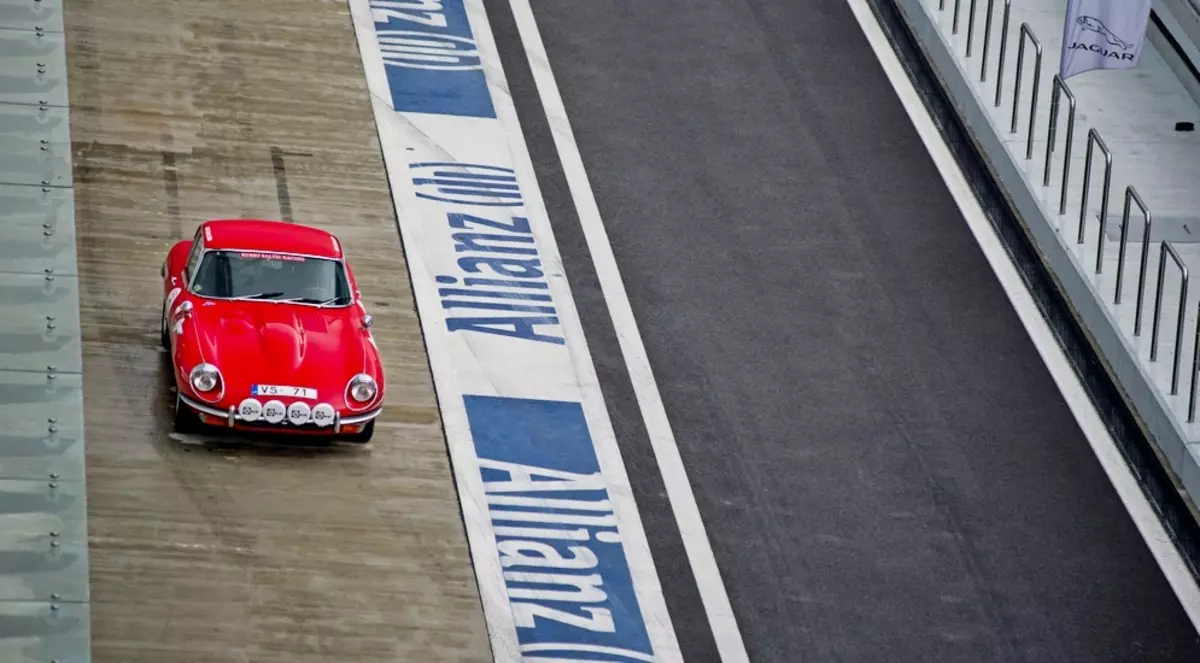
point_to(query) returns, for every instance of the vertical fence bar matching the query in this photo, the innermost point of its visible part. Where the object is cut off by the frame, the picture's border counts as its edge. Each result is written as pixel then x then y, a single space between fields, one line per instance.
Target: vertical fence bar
pixel 970 26
pixel 987 40
pixel 1195 370
pixel 1060 87
pixel 1003 50
pixel 954 19
pixel 1037 76
pixel 1168 250
pixel 1093 141
pixel 1131 196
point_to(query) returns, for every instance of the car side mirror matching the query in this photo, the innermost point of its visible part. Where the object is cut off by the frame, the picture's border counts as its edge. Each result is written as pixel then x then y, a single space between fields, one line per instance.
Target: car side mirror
pixel 366 321
pixel 185 308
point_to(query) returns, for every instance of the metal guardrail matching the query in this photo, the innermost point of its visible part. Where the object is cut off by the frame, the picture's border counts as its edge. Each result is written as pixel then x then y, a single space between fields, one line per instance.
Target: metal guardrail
pixel 1168 250
pixel 1131 196
pixel 987 42
pixel 1027 32
pixel 1094 142
pixel 1060 89
pixel 1195 371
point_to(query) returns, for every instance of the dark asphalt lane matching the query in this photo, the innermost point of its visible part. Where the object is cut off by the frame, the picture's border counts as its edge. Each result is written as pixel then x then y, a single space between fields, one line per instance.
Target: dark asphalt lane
pixel 885 468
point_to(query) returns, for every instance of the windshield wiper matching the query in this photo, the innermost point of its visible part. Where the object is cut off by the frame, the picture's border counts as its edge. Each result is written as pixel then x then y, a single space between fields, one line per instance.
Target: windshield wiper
pixel 331 300
pixel 258 295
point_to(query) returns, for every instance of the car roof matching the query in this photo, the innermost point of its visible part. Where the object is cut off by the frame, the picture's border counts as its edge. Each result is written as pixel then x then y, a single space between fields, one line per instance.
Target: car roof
pixel 266 235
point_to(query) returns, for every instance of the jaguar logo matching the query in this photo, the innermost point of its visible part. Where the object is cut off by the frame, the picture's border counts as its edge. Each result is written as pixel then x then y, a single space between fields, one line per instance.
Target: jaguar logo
pixel 1093 24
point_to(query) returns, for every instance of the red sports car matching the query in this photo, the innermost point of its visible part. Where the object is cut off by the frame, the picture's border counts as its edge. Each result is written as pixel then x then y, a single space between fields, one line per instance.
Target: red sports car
pixel 267 332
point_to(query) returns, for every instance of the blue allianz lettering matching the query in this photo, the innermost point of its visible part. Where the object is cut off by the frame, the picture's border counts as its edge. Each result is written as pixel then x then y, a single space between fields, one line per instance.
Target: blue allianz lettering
pixel 556 534
pixel 467 184
pixel 501 270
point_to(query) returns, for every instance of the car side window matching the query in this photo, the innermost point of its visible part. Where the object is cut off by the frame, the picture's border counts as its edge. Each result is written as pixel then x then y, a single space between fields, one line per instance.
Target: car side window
pixel 193 258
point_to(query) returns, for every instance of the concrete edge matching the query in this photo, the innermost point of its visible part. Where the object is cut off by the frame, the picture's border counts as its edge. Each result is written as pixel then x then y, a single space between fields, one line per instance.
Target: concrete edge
pixel 52 626
pixel 1175 32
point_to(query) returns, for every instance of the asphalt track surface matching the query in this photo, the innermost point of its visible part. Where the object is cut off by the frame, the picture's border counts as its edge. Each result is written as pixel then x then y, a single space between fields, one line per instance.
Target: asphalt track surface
pixel 885 468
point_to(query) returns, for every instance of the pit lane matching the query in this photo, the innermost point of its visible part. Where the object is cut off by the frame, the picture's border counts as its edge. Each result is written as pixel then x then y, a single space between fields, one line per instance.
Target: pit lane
pixel 207 549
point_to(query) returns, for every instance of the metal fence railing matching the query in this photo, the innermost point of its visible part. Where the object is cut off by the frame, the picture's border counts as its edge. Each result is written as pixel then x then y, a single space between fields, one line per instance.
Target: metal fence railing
pixel 1060 90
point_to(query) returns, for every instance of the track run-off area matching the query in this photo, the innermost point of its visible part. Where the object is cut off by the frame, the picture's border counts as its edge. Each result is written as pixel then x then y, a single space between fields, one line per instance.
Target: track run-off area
pixel 217 550
pixel 663 394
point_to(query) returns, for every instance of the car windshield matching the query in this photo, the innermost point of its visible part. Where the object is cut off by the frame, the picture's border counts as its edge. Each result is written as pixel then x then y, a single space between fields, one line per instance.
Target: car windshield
pixel 272 277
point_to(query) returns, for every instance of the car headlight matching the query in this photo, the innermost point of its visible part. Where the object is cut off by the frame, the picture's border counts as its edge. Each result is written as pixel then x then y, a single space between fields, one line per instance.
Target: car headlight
pixel 205 378
pixel 363 388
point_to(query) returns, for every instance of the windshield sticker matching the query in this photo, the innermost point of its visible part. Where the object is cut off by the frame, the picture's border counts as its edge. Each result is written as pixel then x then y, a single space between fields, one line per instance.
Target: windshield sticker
pixel 272 256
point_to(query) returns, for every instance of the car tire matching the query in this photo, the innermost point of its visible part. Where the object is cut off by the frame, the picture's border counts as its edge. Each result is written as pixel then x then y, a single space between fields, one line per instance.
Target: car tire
pixel 186 420
pixel 164 337
pixel 363 436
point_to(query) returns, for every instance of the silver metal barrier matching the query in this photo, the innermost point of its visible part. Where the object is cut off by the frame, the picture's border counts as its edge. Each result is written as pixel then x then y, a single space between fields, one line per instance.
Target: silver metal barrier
pixel 1003 48
pixel 1166 250
pixel 1195 370
pixel 970 26
pixel 987 40
pixel 1131 196
pixel 1093 140
pixel 1037 78
pixel 1059 88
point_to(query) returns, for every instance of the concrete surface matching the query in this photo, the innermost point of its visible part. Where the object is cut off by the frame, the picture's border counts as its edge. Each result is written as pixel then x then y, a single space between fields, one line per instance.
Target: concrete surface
pixel 210 549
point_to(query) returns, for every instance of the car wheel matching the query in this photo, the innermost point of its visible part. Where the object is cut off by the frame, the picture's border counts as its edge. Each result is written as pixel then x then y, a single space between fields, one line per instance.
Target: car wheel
pixel 363 436
pixel 186 420
pixel 164 336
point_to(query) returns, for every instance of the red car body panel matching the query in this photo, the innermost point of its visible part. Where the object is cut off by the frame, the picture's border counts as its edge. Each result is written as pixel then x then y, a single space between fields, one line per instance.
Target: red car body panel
pixel 268 342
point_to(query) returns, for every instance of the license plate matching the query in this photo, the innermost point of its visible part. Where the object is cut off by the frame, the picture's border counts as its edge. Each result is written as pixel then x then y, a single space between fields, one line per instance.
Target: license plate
pixel 283 390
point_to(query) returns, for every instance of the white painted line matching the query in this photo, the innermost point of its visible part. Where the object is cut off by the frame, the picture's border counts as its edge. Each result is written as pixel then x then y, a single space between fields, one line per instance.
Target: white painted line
pixel 679 491
pixel 1102 443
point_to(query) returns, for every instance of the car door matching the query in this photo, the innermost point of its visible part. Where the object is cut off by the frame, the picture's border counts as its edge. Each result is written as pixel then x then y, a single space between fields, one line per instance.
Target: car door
pixel 179 283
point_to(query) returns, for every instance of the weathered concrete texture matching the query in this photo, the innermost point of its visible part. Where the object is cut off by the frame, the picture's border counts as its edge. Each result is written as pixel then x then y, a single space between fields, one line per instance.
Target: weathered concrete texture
pixel 212 552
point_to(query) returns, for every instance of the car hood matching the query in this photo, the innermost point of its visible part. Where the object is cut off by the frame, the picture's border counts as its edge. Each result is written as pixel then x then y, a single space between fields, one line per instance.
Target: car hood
pixel 281 344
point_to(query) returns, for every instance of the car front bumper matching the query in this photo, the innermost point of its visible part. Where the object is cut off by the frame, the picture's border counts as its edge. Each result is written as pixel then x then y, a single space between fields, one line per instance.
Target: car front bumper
pixel 231 419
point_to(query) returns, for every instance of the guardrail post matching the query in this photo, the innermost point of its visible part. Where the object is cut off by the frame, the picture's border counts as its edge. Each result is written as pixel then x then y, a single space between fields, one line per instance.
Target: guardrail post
pixel 1195 370
pixel 1094 140
pixel 970 26
pixel 1059 88
pixel 1037 77
pixel 1131 196
pixel 1168 250
pixel 987 41
pixel 1003 50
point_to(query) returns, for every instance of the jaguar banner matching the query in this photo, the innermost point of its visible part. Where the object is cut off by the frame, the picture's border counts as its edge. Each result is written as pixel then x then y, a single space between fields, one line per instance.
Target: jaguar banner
pixel 1103 34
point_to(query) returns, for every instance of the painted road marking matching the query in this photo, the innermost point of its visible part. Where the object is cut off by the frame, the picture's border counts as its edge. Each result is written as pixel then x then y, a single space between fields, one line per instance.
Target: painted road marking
pixel 430 57
pixel 561 558
pixel 568 580
pixel 699 551
pixel 1101 441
